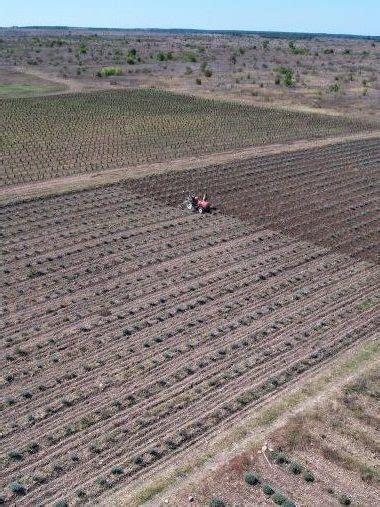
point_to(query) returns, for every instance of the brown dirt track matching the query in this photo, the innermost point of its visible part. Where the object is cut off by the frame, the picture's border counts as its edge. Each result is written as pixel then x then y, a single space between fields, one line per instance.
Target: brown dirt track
pixel 134 330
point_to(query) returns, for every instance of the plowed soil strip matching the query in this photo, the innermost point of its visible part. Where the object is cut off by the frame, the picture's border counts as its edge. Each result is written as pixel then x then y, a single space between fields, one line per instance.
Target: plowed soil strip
pixel 16 193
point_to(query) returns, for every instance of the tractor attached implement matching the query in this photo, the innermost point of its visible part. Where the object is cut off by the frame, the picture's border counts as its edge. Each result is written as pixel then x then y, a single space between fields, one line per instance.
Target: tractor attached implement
pixel 194 203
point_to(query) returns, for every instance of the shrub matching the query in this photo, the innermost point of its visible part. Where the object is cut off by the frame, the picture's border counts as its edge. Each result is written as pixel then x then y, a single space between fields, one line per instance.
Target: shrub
pixel 15 454
pixel 251 478
pixel 278 498
pixel 367 473
pixel 288 503
pixel 295 50
pixel 39 479
pixel 287 73
pixel 61 503
pixel 57 467
pixel 163 57
pixel 198 81
pixel 268 490
pixel 138 460
pixel 81 493
pixel 109 71
pixel 17 488
pixel 34 272
pixel 117 470
pixel 344 500
pixel 208 72
pixel 215 502
pixel 295 467
pixel 102 481
pixel 334 88
pixel 308 476
pixel 33 447
pixel 280 458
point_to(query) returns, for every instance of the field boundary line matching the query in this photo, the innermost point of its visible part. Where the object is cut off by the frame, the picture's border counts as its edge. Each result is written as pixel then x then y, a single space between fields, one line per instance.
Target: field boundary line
pixel 267 418
pixel 56 186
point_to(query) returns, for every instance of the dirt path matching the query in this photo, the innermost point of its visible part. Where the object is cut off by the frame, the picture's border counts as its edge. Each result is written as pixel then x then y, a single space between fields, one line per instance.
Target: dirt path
pixel 71 85
pixel 17 193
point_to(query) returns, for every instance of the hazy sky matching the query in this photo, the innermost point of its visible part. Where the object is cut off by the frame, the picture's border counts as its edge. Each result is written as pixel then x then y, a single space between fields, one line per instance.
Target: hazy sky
pixel 331 16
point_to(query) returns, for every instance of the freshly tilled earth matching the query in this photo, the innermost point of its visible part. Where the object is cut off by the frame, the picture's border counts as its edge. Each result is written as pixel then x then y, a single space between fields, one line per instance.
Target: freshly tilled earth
pixel 327 195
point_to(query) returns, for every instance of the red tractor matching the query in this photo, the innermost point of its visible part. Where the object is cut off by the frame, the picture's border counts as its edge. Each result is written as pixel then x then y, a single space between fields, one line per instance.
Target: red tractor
pixel 194 203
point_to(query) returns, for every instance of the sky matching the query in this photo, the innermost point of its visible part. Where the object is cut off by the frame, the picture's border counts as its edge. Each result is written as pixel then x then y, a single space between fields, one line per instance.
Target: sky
pixel 360 17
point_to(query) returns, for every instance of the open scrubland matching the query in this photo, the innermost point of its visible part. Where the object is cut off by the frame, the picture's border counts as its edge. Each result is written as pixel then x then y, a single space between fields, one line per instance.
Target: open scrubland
pixel 311 71
pixel 63 135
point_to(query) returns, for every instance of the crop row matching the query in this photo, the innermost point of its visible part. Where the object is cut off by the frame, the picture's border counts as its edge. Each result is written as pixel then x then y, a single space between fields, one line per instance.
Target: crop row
pixel 134 330
pixel 62 135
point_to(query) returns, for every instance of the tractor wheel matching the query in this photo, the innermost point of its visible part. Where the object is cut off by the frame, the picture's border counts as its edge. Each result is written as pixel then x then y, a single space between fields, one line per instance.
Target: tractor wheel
pixel 189 205
pixel 200 210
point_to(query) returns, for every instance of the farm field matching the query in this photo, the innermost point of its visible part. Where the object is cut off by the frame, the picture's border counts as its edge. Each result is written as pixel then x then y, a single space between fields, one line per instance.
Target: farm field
pixel 155 355
pixel 134 330
pixel 62 135
pixel 327 195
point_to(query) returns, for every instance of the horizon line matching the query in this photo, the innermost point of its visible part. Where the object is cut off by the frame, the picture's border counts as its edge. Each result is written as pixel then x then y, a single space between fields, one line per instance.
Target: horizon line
pixel 199 30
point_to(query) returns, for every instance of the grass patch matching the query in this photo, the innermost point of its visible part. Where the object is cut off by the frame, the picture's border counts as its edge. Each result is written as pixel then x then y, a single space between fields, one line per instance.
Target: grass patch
pixel 154 488
pixel 8 91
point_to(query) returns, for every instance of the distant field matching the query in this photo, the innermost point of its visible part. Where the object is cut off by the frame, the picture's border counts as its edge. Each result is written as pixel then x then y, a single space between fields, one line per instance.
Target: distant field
pixel 47 137
pixel 24 90
pixel 17 85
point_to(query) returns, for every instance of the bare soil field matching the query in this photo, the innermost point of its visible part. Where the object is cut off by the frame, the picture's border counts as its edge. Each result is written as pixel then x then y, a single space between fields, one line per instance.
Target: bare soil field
pixel 325 455
pixel 303 71
pixel 133 330
pixel 62 135
pixel 327 195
